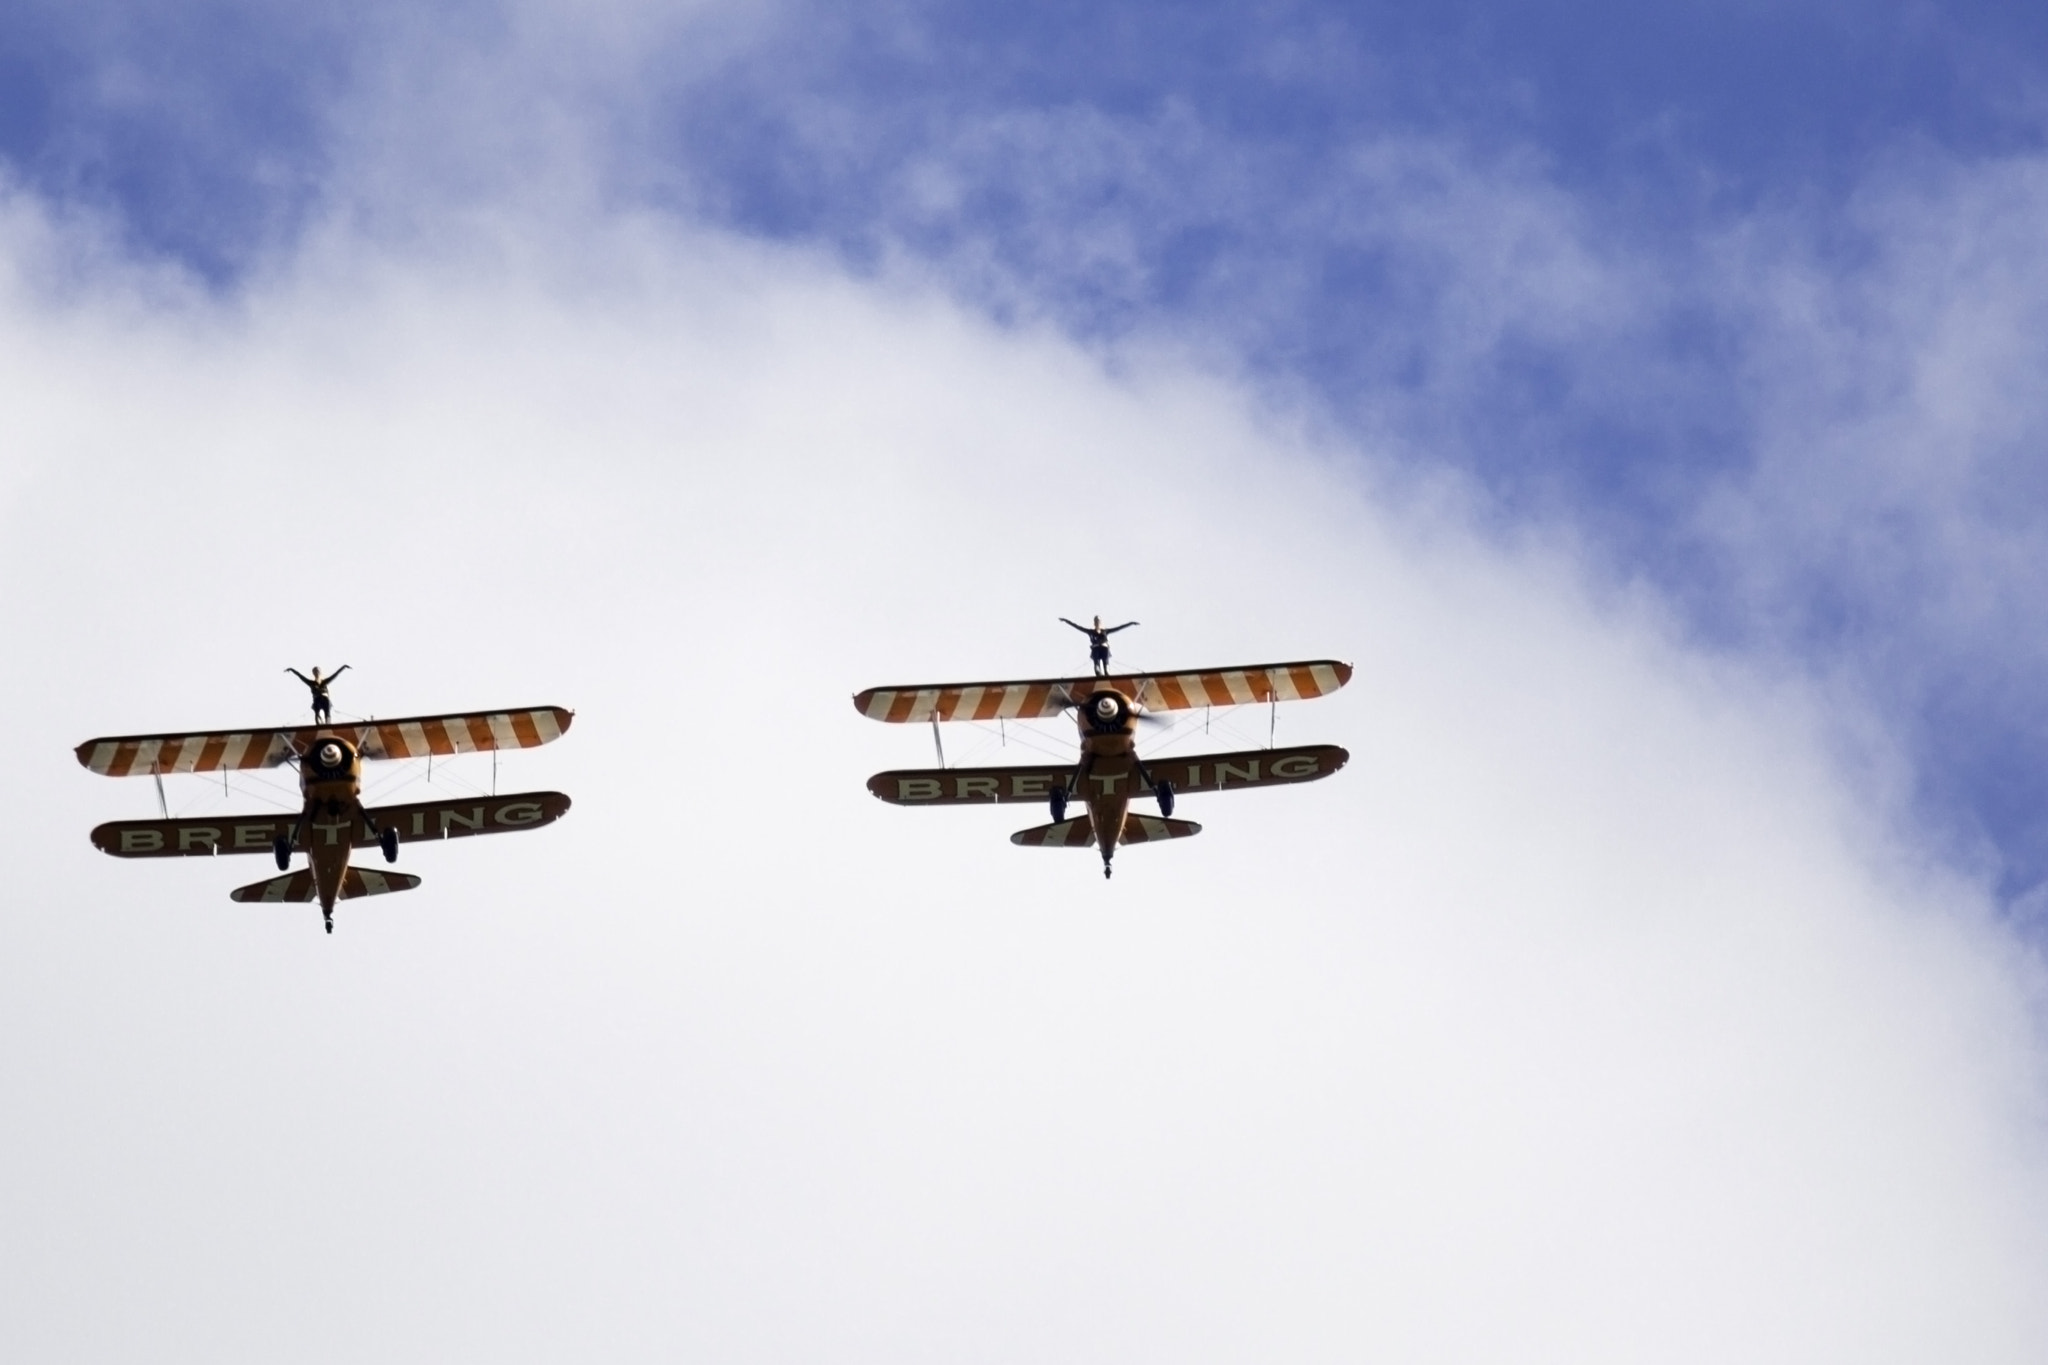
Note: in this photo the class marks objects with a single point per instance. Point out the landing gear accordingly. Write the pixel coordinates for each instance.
(328, 915)
(1162, 790)
(281, 848)
(1061, 795)
(1105, 872)
(388, 841)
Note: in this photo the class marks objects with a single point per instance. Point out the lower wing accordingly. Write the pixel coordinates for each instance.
(419, 821)
(1195, 773)
(458, 819)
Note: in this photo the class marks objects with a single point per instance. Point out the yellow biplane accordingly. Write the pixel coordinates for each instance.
(1109, 774)
(332, 821)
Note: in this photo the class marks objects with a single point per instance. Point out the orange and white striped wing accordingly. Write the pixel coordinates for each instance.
(1257, 684)
(141, 755)
(476, 733)
(1048, 697)
(973, 701)
(415, 737)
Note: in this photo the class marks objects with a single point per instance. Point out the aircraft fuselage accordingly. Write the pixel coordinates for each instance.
(331, 780)
(1108, 776)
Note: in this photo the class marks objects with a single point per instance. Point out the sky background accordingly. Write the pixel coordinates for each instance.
(1645, 401)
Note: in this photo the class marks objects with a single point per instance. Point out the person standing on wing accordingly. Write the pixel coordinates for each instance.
(1098, 642)
(323, 705)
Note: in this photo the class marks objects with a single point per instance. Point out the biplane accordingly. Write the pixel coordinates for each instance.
(1109, 773)
(332, 822)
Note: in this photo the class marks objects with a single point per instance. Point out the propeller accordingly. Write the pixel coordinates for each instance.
(1109, 709)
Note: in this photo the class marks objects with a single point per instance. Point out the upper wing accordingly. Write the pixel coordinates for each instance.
(414, 737)
(471, 733)
(1194, 773)
(1154, 692)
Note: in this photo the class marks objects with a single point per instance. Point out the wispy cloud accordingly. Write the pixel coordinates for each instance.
(1591, 1007)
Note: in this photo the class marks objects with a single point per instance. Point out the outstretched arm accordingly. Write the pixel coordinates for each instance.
(344, 668)
(1125, 626)
(1078, 626)
(300, 676)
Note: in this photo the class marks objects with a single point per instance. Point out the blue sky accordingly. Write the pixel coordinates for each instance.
(187, 116)
(1624, 268)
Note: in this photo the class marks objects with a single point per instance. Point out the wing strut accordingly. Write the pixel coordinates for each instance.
(937, 743)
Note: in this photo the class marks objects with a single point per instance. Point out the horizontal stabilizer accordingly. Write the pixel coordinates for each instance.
(1078, 832)
(1047, 697)
(298, 886)
(412, 737)
(1150, 829)
(1110, 775)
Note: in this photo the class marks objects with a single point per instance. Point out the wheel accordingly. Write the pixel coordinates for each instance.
(1059, 804)
(282, 851)
(388, 841)
(1164, 791)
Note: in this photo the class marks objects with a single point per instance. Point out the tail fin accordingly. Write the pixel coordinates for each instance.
(1074, 833)
(298, 886)
(1149, 829)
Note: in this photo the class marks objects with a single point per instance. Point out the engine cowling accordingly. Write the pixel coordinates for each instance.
(330, 758)
(1108, 713)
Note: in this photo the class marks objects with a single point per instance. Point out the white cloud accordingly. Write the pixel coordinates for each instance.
(1591, 1014)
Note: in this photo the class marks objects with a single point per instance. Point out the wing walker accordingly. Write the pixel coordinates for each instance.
(333, 821)
(1109, 774)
